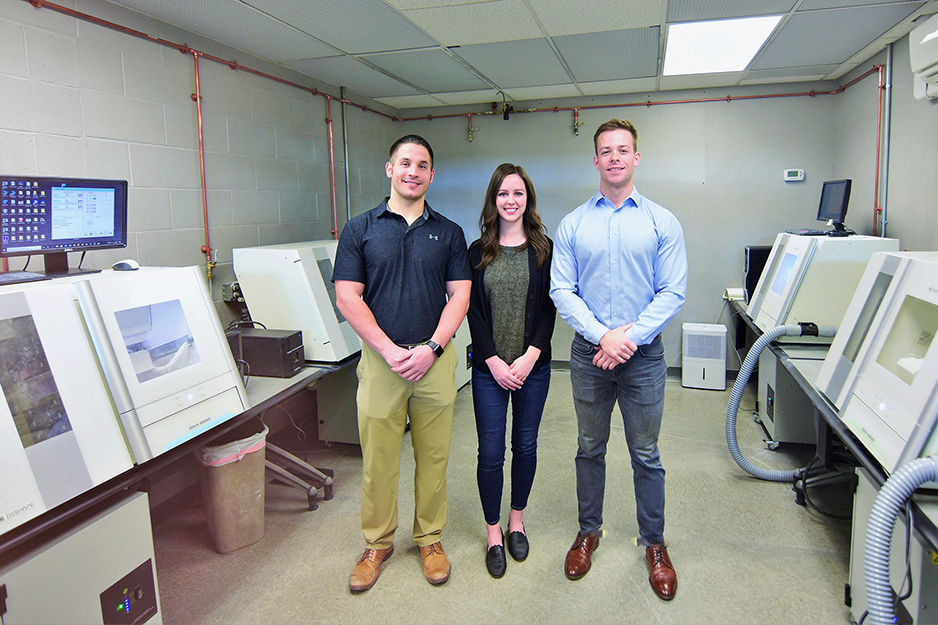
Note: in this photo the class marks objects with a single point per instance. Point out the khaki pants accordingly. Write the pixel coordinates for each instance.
(384, 402)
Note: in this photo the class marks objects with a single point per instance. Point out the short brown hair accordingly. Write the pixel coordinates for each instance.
(615, 124)
(415, 139)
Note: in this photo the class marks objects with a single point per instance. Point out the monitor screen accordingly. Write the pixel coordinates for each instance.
(835, 195)
(783, 275)
(52, 216)
(909, 338)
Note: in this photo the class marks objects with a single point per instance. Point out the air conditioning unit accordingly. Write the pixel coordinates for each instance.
(923, 58)
(703, 364)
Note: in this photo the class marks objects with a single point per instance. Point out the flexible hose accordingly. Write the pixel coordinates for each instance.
(742, 379)
(892, 496)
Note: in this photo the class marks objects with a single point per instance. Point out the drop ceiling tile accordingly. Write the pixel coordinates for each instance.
(469, 97)
(235, 25)
(400, 5)
(830, 36)
(607, 87)
(481, 22)
(431, 70)
(795, 73)
(702, 10)
(524, 94)
(353, 26)
(343, 71)
(810, 5)
(699, 81)
(611, 55)
(411, 101)
(758, 78)
(562, 17)
(515, 63)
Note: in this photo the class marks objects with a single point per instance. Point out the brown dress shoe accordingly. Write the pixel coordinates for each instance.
(367, 569)
(435, 563)
(578, 560)
(661, 573)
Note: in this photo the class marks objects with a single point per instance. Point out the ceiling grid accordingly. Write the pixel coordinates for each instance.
(429, 53)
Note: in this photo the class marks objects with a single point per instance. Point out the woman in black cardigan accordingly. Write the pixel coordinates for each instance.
(511, 319)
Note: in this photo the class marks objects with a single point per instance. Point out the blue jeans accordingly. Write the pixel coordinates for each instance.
(638, 386)
(490, 402)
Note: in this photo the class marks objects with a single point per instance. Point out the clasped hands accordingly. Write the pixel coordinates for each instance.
(511, 377)
(614, 348)
(411, 364)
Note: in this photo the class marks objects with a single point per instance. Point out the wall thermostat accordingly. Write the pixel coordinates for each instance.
(791, 175)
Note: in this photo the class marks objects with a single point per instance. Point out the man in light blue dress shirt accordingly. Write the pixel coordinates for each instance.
(618, 276)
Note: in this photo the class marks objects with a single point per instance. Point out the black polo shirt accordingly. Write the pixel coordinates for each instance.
(404, 268)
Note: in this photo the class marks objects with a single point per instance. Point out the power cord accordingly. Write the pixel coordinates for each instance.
(807, 498)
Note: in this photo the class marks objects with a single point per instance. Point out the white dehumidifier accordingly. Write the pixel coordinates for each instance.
(703, 364)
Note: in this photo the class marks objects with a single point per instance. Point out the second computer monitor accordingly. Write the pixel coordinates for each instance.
(835, 196)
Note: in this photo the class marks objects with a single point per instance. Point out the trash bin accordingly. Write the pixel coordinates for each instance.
(233, 487)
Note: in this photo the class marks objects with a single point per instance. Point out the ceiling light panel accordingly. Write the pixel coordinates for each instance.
(561, 17)
(516, 63)
(715, 46)
(353, 26)
(611, 55)
(343, 71)
(236, 25)
(702, 10)
(431, 70)
(476, 22)
(829, 37)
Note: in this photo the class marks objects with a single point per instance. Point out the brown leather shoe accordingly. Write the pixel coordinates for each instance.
(435, 563)
(661, 573)
(578, 559)
(367, 569)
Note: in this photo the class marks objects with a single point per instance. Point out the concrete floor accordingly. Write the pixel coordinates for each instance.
(744, 551)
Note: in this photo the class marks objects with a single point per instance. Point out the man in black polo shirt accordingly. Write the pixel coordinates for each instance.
(402, 281)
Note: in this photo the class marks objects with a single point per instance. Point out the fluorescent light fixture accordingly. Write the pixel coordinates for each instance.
(716, 46)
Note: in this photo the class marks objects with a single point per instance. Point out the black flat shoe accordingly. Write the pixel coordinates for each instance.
(518, 545)
(495, 561)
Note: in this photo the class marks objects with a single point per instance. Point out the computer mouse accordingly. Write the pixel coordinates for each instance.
(128, 264)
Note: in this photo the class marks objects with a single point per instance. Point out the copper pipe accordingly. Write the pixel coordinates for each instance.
(197, 98)
(335, 214)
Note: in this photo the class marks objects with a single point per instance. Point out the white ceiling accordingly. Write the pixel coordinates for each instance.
(427, 53)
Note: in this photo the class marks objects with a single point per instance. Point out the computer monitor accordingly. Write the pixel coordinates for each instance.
(54, 216)
(835, 195)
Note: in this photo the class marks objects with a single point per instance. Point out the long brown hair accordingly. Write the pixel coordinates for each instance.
(488, 222)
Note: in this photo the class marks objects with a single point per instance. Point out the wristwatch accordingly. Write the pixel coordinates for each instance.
(437, 349)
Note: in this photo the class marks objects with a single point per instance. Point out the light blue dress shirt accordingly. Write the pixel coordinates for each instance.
(614, 266)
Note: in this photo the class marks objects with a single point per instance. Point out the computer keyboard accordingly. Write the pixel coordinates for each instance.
(15, 277)
(808, 232)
